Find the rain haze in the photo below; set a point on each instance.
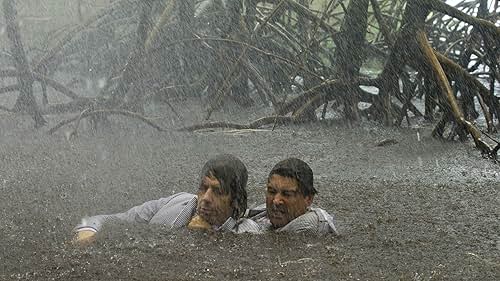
(107, 104)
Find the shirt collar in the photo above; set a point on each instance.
(229, 224)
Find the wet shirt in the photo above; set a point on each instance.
(315, 221)
(175, 211)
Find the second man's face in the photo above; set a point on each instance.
(214, 205)
(284, 201)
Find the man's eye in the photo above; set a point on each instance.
(271, 191)
(218, 191)
(289, 193)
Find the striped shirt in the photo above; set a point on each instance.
(175, 211)
(315, 221)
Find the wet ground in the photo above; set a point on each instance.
(411, 210)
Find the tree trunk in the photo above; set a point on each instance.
(240, 91)
(349, 53)
(26, 101)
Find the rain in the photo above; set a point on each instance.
(110, 105)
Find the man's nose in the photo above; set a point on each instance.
(208, 196)
(278, 199)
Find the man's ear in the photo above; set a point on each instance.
(309, 200)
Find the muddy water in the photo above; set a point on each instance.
(411, 210)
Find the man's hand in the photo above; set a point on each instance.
(84, 237)
(198, 223)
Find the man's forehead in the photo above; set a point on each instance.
(211, 180)
(281, 182)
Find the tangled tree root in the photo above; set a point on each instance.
(283, 120)
(86, 113)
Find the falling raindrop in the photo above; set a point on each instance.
(101, 83)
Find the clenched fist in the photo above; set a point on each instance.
(84, 236)
(198, 223)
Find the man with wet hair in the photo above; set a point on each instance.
(219, 204)
(289, 195)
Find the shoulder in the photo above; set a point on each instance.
(326, 221)
(314, 221)
(307, 221)
(248, 225)
(169, 209)
(178, 198)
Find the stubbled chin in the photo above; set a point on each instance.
(204, 216)
(277, 221)
(278, 224)
(207, 217)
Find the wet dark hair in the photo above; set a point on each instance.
(296, 169)
(233, 176)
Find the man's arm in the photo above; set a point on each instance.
(315, 221)
(326, 222)
(138, 214)
(308, 223)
